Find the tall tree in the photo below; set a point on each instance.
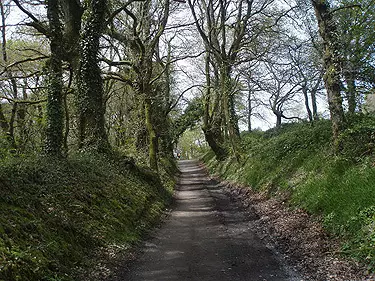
(356, 19)
(308, 73)
(3, 120)
(72, 12)
(225, 27)
(55, 113)
(331, 56)
(80, 47)
(91, 106)
(146, 22)
(212, 118)
(277, 83)
(211, 23)
(7, 126)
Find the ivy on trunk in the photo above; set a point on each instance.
(91, 106)
(55, 113)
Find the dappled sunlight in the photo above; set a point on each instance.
(207, 237)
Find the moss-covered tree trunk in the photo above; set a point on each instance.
(166, 140)
(55, 113)
(146, 90)
(231, 123)
(211, 123)
(141, 130)
(223, 31)
(328, 32)
(8, 127)
(350, 91)
(153, 139)
(3, 120)
(22, 127)
(91, 105)
(165, 125)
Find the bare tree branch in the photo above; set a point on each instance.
(173, 105)
(117, 76)
(119, 10)
(345, 7)
(35, 23)
(21, 62)
(23, 101)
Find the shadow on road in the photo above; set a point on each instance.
(207, 237)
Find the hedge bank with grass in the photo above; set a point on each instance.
(56, 216)
(297, 160)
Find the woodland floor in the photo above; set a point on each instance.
(218, 231)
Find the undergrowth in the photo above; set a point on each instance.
(56, 215)
(297, 160)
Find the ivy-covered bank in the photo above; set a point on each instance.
(57, 216)
(297, 161)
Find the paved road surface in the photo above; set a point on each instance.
(207, 237)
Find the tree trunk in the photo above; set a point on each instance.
(314, 105)
(211, 138)
(166, 138)
(307, 105)
(249, 110)
(350, 92)
(3, 120)
(10, 125)
(231, 123)
(91, 106)
(21, 121)
(278, 119)
(141, 133)
(55, 113)
(72, 13)
(207, 97)
(67, 123)
(146, 90)
(153, 140)
(327, 30)
(211, 129)
(313, 93)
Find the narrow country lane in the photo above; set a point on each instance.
(206, 237)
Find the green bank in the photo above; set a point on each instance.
(297, 160)
(57, 217)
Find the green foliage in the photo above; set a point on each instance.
(297, 160)
(276, 155)
(192, 114)
(192, 143)
(56, 215)
(5, 148)
(362, 233)
(359, 139)
(356, 38)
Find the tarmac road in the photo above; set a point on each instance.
(206, 237)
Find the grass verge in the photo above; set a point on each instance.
(55, 215)
(296, 161)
